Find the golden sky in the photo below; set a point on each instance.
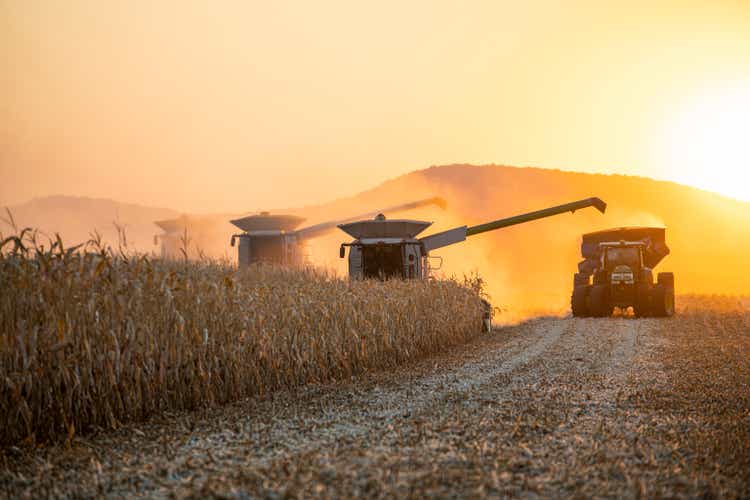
(241, 105)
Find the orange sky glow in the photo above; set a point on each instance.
(241, 105)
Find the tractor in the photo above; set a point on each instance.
(617, 272)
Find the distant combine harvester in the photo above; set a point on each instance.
(191, 235)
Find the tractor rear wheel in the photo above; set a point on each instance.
(599, 306)
(666, 280)
(663, 301)
(642, 306)
(579, 301)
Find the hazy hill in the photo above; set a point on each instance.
(528, 267)
(76, 218)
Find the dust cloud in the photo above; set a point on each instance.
(528, 269)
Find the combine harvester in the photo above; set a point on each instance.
(621, 262)
(189, 233)
(385, 249)
(276, 239)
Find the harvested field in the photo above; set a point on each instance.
(94, 340)
(553, 407)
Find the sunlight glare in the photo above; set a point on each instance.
(709, 142)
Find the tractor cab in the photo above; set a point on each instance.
(628, 254)
(623, 263)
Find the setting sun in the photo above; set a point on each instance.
(708, 141)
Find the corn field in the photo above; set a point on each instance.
(93, 337)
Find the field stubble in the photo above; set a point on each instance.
(703, 409)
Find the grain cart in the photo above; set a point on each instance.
(389, 248)
(617, 271)
(275, 238)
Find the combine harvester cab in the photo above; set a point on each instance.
(617, 271)
(385, 249)
(276, 238)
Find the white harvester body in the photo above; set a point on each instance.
(276, 239)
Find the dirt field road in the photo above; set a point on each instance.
(554, 407)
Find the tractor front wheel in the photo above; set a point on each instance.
(598, 302)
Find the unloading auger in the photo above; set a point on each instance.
(389, 248)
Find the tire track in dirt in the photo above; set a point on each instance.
(367, 410)
(578, 403)
(505, 411)
(606, 348)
